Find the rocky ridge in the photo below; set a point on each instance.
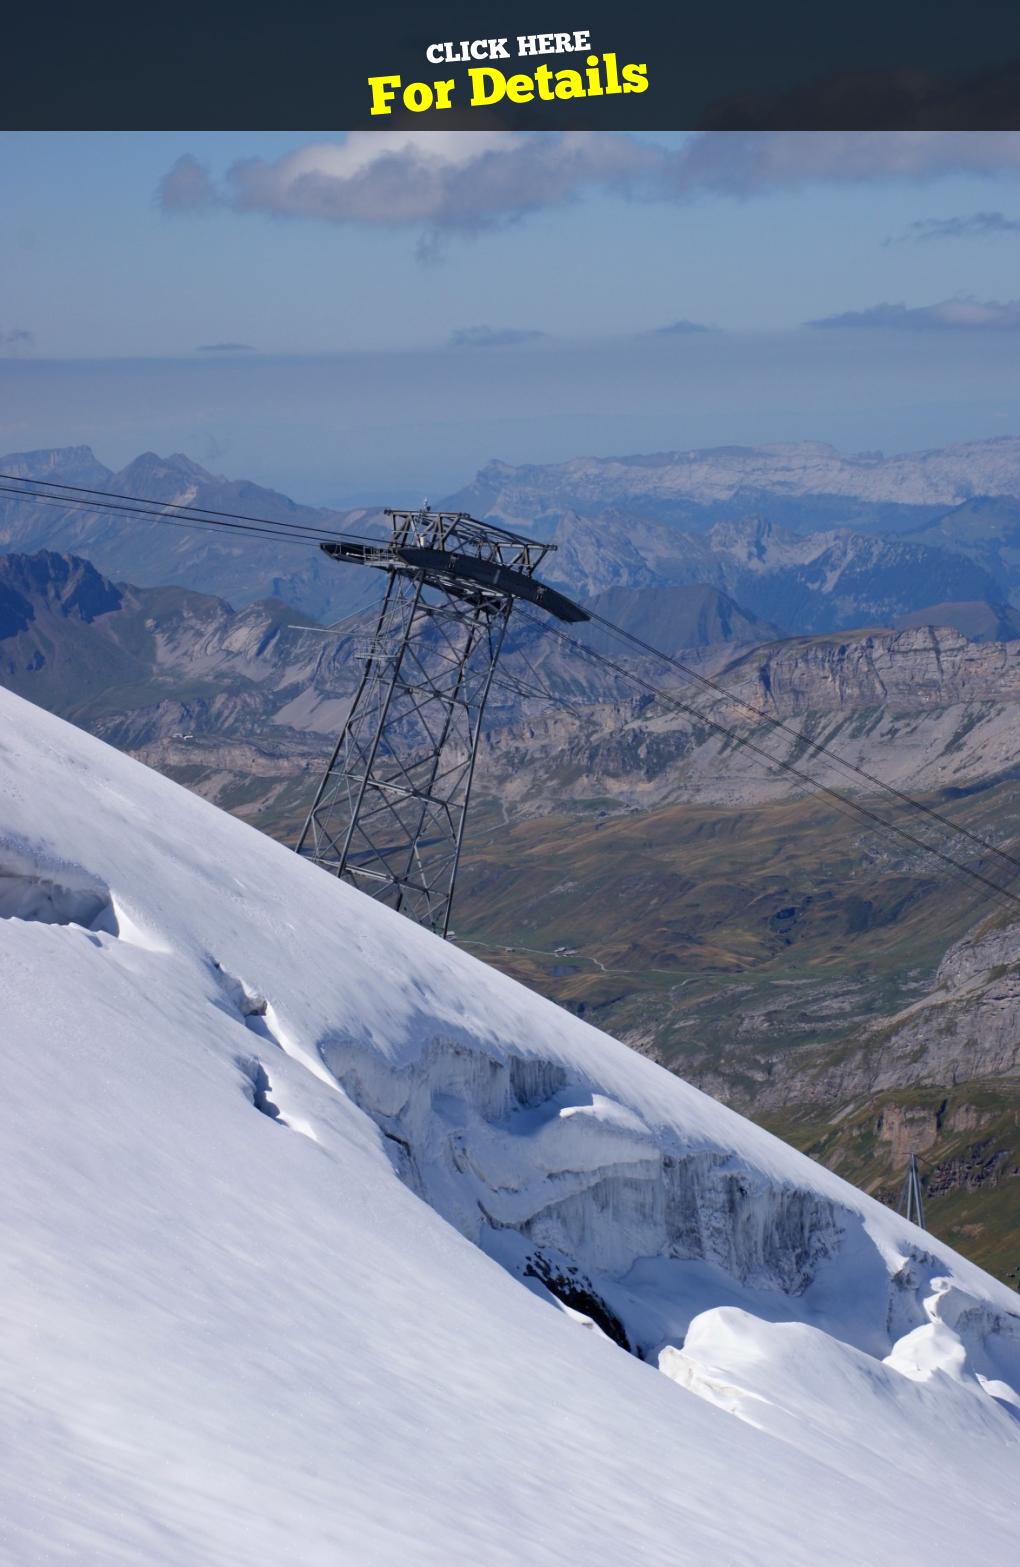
(944, 476)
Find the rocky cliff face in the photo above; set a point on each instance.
(237, 704)
(47, 586)
(921, 667)
(966, 1027)
(922, 709)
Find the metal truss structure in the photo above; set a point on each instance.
(390, 812)
(911, 1203)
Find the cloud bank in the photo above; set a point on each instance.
(493, 336)
(977, 225)
(470, 180)
(949, 315)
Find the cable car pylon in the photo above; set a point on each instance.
(911, 1203)
(390, 811)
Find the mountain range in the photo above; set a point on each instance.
(818, 579)
(235, 566)
(801, 581)
(791, 481)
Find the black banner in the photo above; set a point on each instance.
(541, 66)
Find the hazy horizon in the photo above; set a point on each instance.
(363, 428)
(368, 316)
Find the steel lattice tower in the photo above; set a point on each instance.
(390, 811)
(911, 1203)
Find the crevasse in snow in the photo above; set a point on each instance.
(566, 1184)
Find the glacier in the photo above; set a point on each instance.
(323, 1242)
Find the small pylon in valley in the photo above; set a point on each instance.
(911, 1203)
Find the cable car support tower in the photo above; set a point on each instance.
(390, 811)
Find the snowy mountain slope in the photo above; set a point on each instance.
(232, 1333)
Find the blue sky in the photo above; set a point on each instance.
(409, 310)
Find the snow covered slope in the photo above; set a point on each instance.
(317, 1236)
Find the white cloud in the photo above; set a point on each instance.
(462, 180)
